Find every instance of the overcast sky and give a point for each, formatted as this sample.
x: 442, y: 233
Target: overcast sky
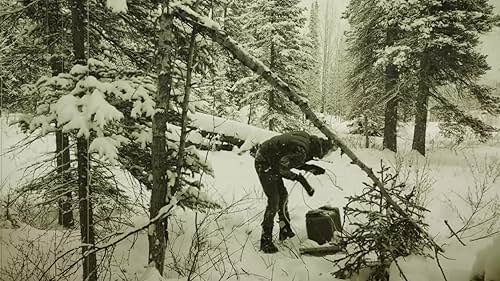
x: 491, y: 47
x: 490, y: 42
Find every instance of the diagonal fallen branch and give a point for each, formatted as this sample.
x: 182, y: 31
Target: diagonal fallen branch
x: 212, y: 29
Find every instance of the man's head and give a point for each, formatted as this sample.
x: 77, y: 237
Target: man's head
x: 324, y: 147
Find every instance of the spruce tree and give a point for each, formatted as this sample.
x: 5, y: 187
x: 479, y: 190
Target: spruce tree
x: 442, y: 37
x: 373, y: 79
x: 277, y: 41
x: 312, y: 87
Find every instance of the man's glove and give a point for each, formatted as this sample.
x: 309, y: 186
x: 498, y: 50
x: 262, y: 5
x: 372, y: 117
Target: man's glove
x: 316, y: 170
x: 305, y: 184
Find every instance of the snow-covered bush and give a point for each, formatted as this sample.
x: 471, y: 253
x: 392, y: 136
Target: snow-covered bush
x: 414, y: 170
x: 113, y: 109
x: 377, y: 234
x: 478, y: 208
x: 374, y: 126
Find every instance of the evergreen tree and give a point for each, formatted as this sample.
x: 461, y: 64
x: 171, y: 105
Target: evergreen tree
x: 312, y: 87
x: 372, y: 80
x: 377, y: 235
x: 240, y: 80
x: 275, y: 29
x: 441, y: 38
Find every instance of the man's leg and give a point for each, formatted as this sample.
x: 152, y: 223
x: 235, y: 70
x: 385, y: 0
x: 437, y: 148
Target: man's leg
x: 268, y: 181
x: 283, y: 215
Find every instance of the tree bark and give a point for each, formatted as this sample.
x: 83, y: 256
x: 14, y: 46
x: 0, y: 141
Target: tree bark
x: 325, y: 61
x: 84, y: 189
x: 160, y: 194
x: 391, y: 106
x: 211, y: 29
x: 420, y: 120
x: 56, y: 63
x: 421, y: 111
x: 86, y: 211
x: 271, y: 101
x: 63, y: 159
x: 63, y: 166
x: 391, y: 124
x: 367, y: 135
x: 185, y: 109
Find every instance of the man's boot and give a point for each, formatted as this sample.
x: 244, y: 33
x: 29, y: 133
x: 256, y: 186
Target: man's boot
x: 266, y: 245
x: 285, y: 231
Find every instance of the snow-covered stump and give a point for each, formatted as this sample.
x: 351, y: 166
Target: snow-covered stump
x: 212, y: 29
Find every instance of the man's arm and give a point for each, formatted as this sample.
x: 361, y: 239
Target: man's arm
x: 292, y: 160
x: 295, y: 159
x: 316, y: 170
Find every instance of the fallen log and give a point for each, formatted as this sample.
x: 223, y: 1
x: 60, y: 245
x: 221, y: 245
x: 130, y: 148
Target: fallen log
x: 212, y: 29
x: 320, y: 250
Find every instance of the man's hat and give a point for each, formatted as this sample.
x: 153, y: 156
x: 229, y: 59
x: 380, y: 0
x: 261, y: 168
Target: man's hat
x: 326, y: 145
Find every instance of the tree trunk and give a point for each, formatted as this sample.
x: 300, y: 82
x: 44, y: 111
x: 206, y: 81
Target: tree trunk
x: 365, y: 118
x: 391, y: 106
x: 63, y: 166
x: 274, y: 80
x: 391, y: 124
x: 272, y: 124
x: 86, y: 211
x: 420, y: 122
x: 367, y: 135
x: 160, y: 193
x: 325, y: 61
x: 421, y: 112
x: 56, y: 62
x: 78, y: 13
x: 250, y: 113
x: 65, y: 211
x: 272, y: 106
x: 185, y: 109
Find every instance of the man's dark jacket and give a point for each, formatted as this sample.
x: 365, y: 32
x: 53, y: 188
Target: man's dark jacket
x: 287, y: 151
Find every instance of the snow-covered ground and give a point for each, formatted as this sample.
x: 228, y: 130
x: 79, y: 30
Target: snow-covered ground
x: 230, y: 237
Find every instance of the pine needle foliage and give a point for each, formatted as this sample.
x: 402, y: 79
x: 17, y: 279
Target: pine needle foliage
x: 381, y: 235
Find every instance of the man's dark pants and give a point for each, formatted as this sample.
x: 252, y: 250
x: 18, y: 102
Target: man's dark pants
x: 277, y: 197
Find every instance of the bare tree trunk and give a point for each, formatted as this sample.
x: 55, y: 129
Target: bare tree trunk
x: 391, y: 107
x: 365, y: 119
x: 421, y: 116
x: 56, y: 62
x: 185, y: 109
x: 65, y: 211
x: 271, y: 93
x: 63, y: 165
x: 325, y: 62
x: 67, y: 206
x: 160, y: 194
x: 391, y: 124
x: 86, y: 211
x: 250, y: 113
x: 274, y: 80
x: 367, y: 136
x: 84, y: 189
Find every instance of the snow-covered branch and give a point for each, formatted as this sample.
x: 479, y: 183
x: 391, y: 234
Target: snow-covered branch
x: 249, y: 134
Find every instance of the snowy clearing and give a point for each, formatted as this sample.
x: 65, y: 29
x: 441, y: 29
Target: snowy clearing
x: 232, y: 234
